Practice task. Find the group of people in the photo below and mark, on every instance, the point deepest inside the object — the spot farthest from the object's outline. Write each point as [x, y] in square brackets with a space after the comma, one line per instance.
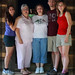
[35, 35]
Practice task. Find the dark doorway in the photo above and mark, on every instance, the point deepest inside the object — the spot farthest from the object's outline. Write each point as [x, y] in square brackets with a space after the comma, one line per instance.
[32, 4]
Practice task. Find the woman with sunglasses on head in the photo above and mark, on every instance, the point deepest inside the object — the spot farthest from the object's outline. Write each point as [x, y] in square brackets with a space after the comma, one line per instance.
[64, 41]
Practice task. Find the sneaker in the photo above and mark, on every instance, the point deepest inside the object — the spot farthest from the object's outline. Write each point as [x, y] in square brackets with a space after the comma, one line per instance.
[52, 72]
[41, 70]
[50, 69]
[7, 72]
[37, 70]
[48, 72]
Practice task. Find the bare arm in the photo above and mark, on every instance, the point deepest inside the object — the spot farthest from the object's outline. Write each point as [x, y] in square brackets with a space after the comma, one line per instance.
[18, 35]
[13, 27]
[69, 21]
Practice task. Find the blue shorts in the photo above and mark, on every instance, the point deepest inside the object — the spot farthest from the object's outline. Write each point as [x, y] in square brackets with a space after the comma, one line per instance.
[39, 47]
[9, 41]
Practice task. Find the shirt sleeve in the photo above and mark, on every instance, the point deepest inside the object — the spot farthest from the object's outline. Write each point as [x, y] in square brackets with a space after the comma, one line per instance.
[18, 24]
[33, 19]
[47, 20]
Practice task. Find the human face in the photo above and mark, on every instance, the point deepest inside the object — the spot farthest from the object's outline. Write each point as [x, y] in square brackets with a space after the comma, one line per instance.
[11, 11]
[61, 6]
[51, 3]
[39, 10]
[25, 11]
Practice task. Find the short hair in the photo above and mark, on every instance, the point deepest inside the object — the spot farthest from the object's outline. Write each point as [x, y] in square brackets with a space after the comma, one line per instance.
[24, 5]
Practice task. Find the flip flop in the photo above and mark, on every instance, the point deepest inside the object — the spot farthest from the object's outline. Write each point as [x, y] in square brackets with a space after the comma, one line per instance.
[24, 72]
[28, 72]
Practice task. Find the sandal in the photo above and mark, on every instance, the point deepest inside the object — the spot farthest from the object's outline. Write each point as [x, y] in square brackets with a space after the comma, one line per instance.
[24, 72]
[28, 71]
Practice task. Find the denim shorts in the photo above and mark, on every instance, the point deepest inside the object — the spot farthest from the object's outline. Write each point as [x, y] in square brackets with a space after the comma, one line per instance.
[9, 41]
[39, 47]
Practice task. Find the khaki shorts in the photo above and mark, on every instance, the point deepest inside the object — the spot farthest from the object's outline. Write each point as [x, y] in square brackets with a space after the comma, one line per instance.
[60, 40]
[52, 44]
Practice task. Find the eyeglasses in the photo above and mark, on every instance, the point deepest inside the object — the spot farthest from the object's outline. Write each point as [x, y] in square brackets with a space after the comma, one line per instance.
[26, 9]
[39, 9]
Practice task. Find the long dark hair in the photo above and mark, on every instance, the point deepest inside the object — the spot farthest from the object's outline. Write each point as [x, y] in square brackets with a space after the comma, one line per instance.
[8, 17]
[65, 9]
[42, 8]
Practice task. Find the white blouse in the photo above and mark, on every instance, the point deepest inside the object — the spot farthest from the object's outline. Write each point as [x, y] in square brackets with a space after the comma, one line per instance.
[26, 29]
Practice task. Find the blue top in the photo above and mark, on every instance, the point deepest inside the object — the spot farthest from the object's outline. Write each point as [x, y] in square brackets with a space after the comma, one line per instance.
[8, 30]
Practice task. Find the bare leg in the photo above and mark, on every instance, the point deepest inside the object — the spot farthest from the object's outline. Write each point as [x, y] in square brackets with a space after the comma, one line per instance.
[37, 65]
[60, 49]
[56, 59]
[42, 64]
[65, 56]
[53, 58]
[9, 51]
